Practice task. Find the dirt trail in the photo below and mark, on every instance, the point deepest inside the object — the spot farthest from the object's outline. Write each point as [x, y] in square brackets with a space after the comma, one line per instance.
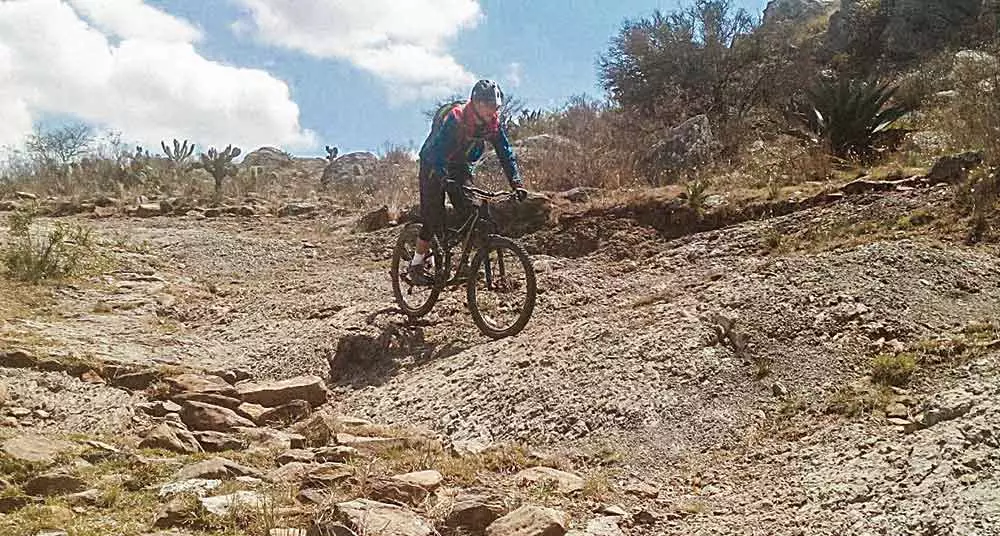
[621, 352]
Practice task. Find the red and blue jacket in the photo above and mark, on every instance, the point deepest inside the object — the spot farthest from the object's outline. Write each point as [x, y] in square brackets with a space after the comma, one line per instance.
[458, 138]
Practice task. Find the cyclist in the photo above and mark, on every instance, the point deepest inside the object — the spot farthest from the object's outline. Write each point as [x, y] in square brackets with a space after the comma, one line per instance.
[458, 137]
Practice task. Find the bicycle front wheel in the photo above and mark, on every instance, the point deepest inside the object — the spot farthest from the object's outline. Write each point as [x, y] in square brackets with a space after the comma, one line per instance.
[414, 300]
[501, 288]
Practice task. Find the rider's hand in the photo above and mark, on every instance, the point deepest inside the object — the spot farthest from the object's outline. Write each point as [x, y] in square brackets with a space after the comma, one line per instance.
[520, 194]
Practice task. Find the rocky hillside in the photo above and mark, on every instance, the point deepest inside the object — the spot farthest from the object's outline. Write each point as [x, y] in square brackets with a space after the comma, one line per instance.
[817, 364]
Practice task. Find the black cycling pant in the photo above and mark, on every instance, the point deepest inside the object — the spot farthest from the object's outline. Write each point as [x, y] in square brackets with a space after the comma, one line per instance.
[432, 192]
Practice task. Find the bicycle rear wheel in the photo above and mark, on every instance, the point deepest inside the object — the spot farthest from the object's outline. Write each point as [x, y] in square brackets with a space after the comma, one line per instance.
[501, 288]
[415, 300]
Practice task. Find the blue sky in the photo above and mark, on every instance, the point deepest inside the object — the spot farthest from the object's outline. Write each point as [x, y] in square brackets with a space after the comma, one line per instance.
[347, 94]
[556, 43]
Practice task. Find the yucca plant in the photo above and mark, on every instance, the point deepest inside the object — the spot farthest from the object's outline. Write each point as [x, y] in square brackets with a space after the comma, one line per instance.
[850, 114]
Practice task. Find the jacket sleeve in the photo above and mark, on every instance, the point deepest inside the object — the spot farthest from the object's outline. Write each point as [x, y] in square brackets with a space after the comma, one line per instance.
[437, 150]
[505, 153]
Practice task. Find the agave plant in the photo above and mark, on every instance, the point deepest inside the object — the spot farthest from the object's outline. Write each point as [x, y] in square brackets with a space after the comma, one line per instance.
[850, 114]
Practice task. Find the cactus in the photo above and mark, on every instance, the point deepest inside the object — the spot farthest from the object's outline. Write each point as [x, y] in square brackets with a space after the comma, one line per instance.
[179, 154]
[331, 153]
[219, 165]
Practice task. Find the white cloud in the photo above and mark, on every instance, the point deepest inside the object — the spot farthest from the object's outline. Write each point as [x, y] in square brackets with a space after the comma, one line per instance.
[515, 73]
[150, 87]
[132, 19]
[404, 43]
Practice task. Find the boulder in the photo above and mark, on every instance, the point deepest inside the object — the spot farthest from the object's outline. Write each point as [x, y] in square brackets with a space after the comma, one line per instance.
[276, 393]
[396, 492]
[915, 26]
[688, 145]
[564, 482]
[251, 411]
[201, 383]
[374, 220]
[148, 210]
[339, 454]
[222, 505]
[231, 375]
[172, 438]
[286, 414]
[311, 474]
[12, 503]
[797, 11]
[473, 513]
[158, 408]
[35, 449]
[17, 359]
[54, 484]
[270, 439]
[974, 65]
[349, 169]
[516, 219]
[604, 526]
[88, 497]
[320, 429]
[219, 442]
[327, 475]
[290, 472]
[210, 399]
[297, 209]
[364, 516]
[270, 158]
[530, 521]
[195, 486]
[205, 417]
[137, 380]
[177, 512]
[216, 469]
[954, 169]
[429, 480]
[295, 455]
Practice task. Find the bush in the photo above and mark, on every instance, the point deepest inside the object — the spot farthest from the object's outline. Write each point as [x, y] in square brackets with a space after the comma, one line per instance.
[63, 251]
[708, 58]
[893, 369]
[972, 119]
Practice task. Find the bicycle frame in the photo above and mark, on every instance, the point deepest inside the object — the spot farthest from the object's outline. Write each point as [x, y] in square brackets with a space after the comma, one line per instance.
[464, 235]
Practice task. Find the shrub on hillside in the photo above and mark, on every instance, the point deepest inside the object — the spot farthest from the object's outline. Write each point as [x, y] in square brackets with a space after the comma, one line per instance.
[31, 255]
[708, 58]
[972, 119]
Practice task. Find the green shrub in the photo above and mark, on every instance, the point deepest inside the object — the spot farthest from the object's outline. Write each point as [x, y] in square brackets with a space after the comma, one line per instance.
[893, 369]
[32, 256]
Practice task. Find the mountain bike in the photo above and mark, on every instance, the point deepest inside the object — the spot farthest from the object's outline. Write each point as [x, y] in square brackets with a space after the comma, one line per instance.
[499, 278]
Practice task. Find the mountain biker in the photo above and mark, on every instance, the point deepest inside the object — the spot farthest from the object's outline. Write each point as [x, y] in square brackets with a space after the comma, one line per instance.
[458, 137]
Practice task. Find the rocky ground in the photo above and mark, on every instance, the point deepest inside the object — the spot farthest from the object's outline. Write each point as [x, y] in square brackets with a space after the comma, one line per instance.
[723, 382]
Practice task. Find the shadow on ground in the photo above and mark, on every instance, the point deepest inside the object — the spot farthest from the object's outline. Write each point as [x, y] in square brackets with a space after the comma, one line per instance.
[372, 358]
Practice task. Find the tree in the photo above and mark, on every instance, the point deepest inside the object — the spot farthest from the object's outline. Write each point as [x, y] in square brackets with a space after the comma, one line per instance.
[708, 58]
[62, 145]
